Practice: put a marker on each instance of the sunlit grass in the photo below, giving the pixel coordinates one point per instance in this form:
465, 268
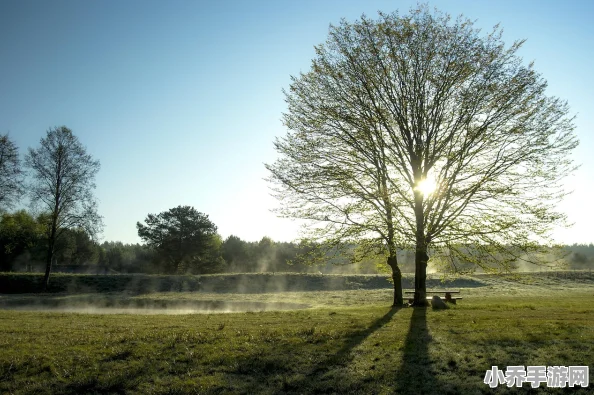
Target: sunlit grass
347, 342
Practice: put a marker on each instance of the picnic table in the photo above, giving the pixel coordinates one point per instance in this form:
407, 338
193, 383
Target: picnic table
447, 295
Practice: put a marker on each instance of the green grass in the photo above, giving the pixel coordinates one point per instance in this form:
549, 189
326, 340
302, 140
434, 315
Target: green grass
347, 342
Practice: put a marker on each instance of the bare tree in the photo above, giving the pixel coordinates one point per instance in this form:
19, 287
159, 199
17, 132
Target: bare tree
11, 174
62, 187
421, 127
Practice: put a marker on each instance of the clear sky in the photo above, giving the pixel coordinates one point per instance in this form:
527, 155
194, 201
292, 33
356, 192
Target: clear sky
181, 100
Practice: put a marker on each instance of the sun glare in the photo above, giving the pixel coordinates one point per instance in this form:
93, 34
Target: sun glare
427, 186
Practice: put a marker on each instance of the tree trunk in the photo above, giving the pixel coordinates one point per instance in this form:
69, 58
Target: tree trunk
48, 266
397, 278
421, 259
51, 242
421, 256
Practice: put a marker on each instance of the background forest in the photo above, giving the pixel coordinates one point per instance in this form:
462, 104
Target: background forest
23, 247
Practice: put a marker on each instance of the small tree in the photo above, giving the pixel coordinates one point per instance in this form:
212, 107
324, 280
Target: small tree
11, 181
424, 132
62, 187
185, 239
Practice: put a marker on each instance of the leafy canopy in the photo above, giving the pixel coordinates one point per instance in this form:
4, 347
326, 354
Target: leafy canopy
184, 238
405, 100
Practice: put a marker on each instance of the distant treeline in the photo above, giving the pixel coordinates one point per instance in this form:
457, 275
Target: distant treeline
23, 248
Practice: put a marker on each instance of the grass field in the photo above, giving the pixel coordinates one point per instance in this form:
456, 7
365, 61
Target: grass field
344, 341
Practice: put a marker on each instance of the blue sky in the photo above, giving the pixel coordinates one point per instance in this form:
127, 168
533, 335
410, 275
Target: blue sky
181, 100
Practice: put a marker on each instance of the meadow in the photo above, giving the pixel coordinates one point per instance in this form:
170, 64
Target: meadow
344, 340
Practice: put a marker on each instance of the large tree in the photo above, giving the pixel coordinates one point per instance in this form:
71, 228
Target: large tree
184, 239
425, 132
11, 181
63, 180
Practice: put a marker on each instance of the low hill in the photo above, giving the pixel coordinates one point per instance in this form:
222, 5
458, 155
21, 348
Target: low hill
259, 282
221, 283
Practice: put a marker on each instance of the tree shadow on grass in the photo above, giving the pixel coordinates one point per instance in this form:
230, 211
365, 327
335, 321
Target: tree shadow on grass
319, 373
417, 373
359, 336
318, 376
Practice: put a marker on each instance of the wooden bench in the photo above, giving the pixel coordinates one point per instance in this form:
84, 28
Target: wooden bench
447, 295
